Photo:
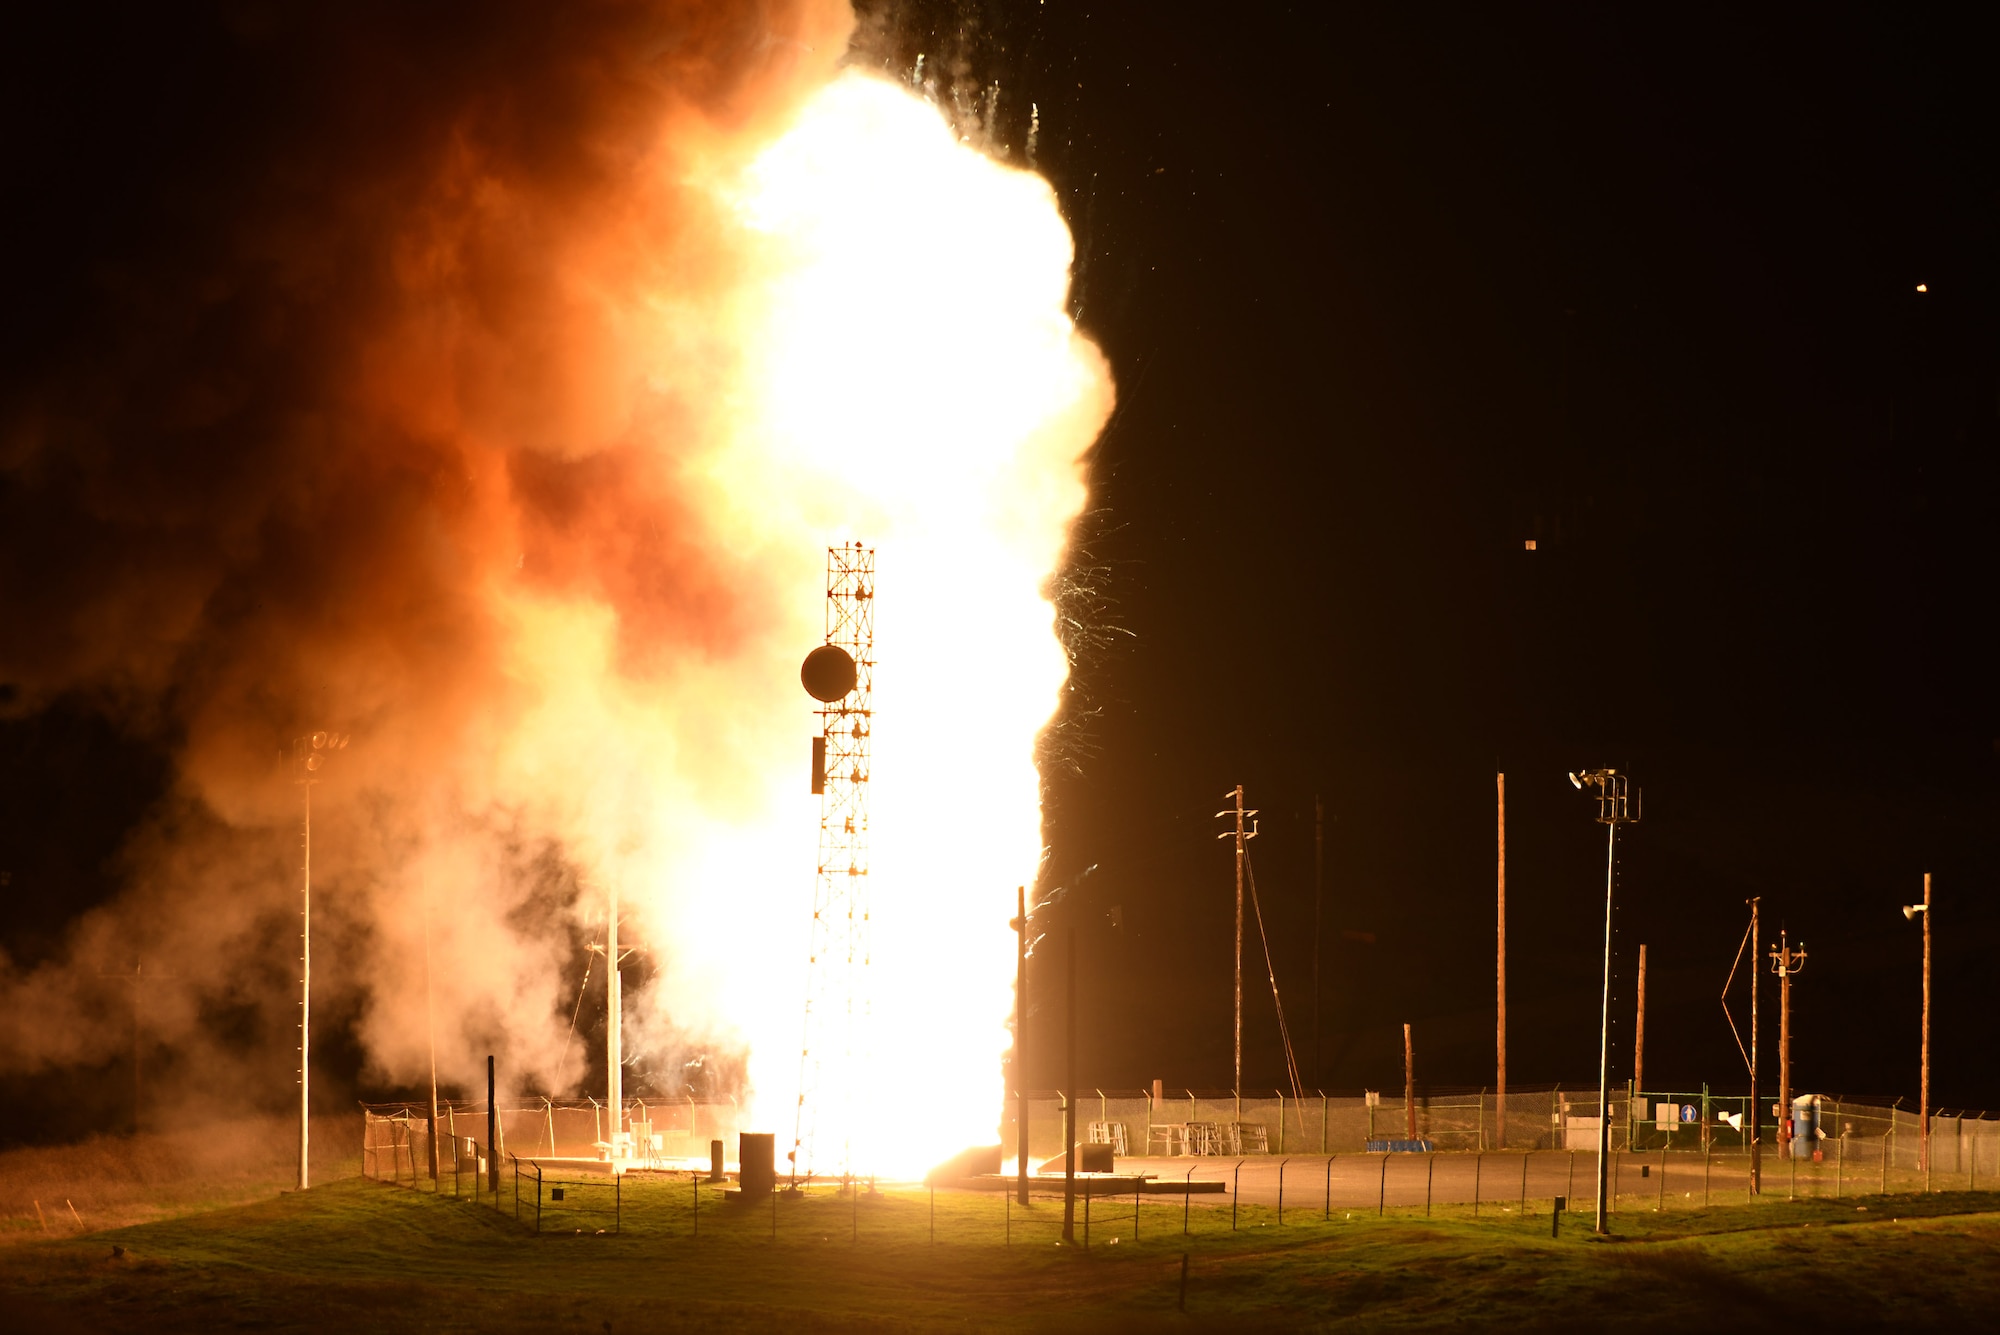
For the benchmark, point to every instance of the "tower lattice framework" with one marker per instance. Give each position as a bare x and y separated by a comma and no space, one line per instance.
837,995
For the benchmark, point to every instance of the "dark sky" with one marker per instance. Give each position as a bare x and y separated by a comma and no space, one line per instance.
1389,293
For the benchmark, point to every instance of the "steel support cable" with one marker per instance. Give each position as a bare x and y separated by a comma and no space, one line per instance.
588,962
1733,1033
1284,1030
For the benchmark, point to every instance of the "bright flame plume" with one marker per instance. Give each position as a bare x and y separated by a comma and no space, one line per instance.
900,368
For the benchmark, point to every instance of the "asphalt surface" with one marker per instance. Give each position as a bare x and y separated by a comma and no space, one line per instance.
1496,1178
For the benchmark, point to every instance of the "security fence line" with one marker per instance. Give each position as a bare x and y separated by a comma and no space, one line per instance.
1229,1122
1512,1189
1839,1139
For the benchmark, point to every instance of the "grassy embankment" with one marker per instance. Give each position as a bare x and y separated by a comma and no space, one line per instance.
355,1255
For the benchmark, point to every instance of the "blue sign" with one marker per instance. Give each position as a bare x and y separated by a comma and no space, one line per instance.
1687,1112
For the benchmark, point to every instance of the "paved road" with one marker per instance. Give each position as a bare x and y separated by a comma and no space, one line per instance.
1496,1178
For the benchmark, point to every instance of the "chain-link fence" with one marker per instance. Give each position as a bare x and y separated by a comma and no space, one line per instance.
1668,1150
1227,1122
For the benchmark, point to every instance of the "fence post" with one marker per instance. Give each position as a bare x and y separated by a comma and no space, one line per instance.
1329,1189
1662,1206
1569,1190
1430,1166
1478,1163
1382,1187
617,1199
1525,1156
1323,1115
1187,1195
1281,1141
1281,1191
1235,1189
694,1180
1889,1147
1707,1153
1137,1187
1087,1194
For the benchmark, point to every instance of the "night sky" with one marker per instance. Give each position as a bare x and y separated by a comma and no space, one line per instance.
1387,296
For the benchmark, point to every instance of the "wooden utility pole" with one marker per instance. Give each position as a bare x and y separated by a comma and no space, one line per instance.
1756,1111
1021,1044
492,1131
1242,836
1319,878
1500,967
1785,962
1409,1085
1639,1030
1238,1085
1069,1100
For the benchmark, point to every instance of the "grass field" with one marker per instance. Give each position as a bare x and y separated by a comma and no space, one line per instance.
355,1255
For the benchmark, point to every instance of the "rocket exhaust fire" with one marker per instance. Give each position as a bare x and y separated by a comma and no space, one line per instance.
553,417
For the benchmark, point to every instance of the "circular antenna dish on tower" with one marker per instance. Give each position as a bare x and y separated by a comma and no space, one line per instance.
828,673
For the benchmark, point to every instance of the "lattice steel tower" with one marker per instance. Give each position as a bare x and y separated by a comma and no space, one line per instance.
837,993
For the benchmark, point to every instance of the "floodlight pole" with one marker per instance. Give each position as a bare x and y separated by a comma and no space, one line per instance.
614,1056
1924,1078
1613,809
308,754
1604,1037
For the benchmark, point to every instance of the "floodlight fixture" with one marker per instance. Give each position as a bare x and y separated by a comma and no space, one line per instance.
1911,911
1614,808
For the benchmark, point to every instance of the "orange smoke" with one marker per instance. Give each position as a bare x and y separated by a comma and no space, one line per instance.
538,405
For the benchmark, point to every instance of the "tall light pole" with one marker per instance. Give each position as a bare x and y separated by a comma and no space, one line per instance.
1614,808
614,1018
1924,1077
309,755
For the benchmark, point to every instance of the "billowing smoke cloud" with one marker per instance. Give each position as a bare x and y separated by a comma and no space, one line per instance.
449,401
413,348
